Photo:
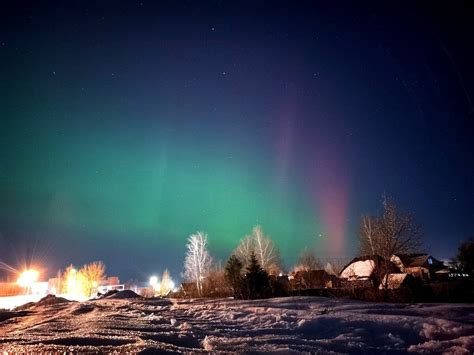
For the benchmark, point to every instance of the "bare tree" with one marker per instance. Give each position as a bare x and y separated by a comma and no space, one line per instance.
393,232
367,230
307,261
91,275
167,284
215,284
198,260
244,249
334,266
265,250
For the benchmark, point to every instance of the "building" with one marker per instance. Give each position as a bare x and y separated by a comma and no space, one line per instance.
366,271
422,266
311,279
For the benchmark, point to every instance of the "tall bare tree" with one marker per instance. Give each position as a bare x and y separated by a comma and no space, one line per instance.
244,249
198,261
265,250
367,230
393,232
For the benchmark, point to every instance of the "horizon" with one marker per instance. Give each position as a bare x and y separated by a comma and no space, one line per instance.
127,127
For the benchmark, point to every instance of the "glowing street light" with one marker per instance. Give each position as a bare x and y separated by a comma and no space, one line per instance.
153,281
27,279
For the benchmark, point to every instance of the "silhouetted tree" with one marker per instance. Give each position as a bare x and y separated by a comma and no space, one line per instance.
256,279
215,284
394,232
233,276
466,257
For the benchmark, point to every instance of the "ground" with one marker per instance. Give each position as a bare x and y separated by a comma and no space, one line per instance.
295,324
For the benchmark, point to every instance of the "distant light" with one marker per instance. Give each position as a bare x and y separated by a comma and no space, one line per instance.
153,280
28,278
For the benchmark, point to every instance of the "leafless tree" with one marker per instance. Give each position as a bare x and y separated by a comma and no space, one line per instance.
333,266
167,284
394,232
91,275
244,249
215,284
307,261
368,237
265,250
198,260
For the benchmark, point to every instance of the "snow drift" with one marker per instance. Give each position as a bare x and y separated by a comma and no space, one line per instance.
288,325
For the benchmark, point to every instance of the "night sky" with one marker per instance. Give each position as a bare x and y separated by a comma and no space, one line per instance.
126,126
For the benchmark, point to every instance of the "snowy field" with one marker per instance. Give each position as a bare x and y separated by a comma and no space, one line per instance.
287,325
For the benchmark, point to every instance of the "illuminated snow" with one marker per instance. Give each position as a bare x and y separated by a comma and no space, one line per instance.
295,324
358,269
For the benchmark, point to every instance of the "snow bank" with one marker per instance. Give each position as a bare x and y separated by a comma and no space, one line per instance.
125,294
285,325
359,269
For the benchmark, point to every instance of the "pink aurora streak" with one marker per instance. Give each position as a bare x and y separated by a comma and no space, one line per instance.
330,194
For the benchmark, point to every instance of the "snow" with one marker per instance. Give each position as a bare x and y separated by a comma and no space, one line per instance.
394,281
358,269
286,325
11,302
123,295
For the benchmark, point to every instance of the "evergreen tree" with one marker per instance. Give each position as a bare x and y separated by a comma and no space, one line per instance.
256,279
466,257
233,275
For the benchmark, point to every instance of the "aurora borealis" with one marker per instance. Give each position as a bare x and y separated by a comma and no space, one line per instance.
126,127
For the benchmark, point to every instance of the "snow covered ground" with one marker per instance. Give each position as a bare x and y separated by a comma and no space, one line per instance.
288,325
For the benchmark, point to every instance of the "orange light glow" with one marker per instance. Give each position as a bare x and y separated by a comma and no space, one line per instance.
28,278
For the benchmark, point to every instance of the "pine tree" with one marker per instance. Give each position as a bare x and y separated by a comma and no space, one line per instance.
233,275
256,279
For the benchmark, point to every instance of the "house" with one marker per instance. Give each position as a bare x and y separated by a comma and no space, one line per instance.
453,271
366,271
311,279
109,284
421,266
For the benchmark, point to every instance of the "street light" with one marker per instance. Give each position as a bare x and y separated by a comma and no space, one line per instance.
153,281
27,279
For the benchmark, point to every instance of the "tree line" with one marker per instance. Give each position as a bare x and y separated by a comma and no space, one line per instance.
255,264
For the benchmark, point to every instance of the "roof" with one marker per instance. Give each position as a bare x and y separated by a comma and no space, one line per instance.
418,260
362,264
317,274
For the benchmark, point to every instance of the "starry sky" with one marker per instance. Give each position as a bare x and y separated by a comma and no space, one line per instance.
126,126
